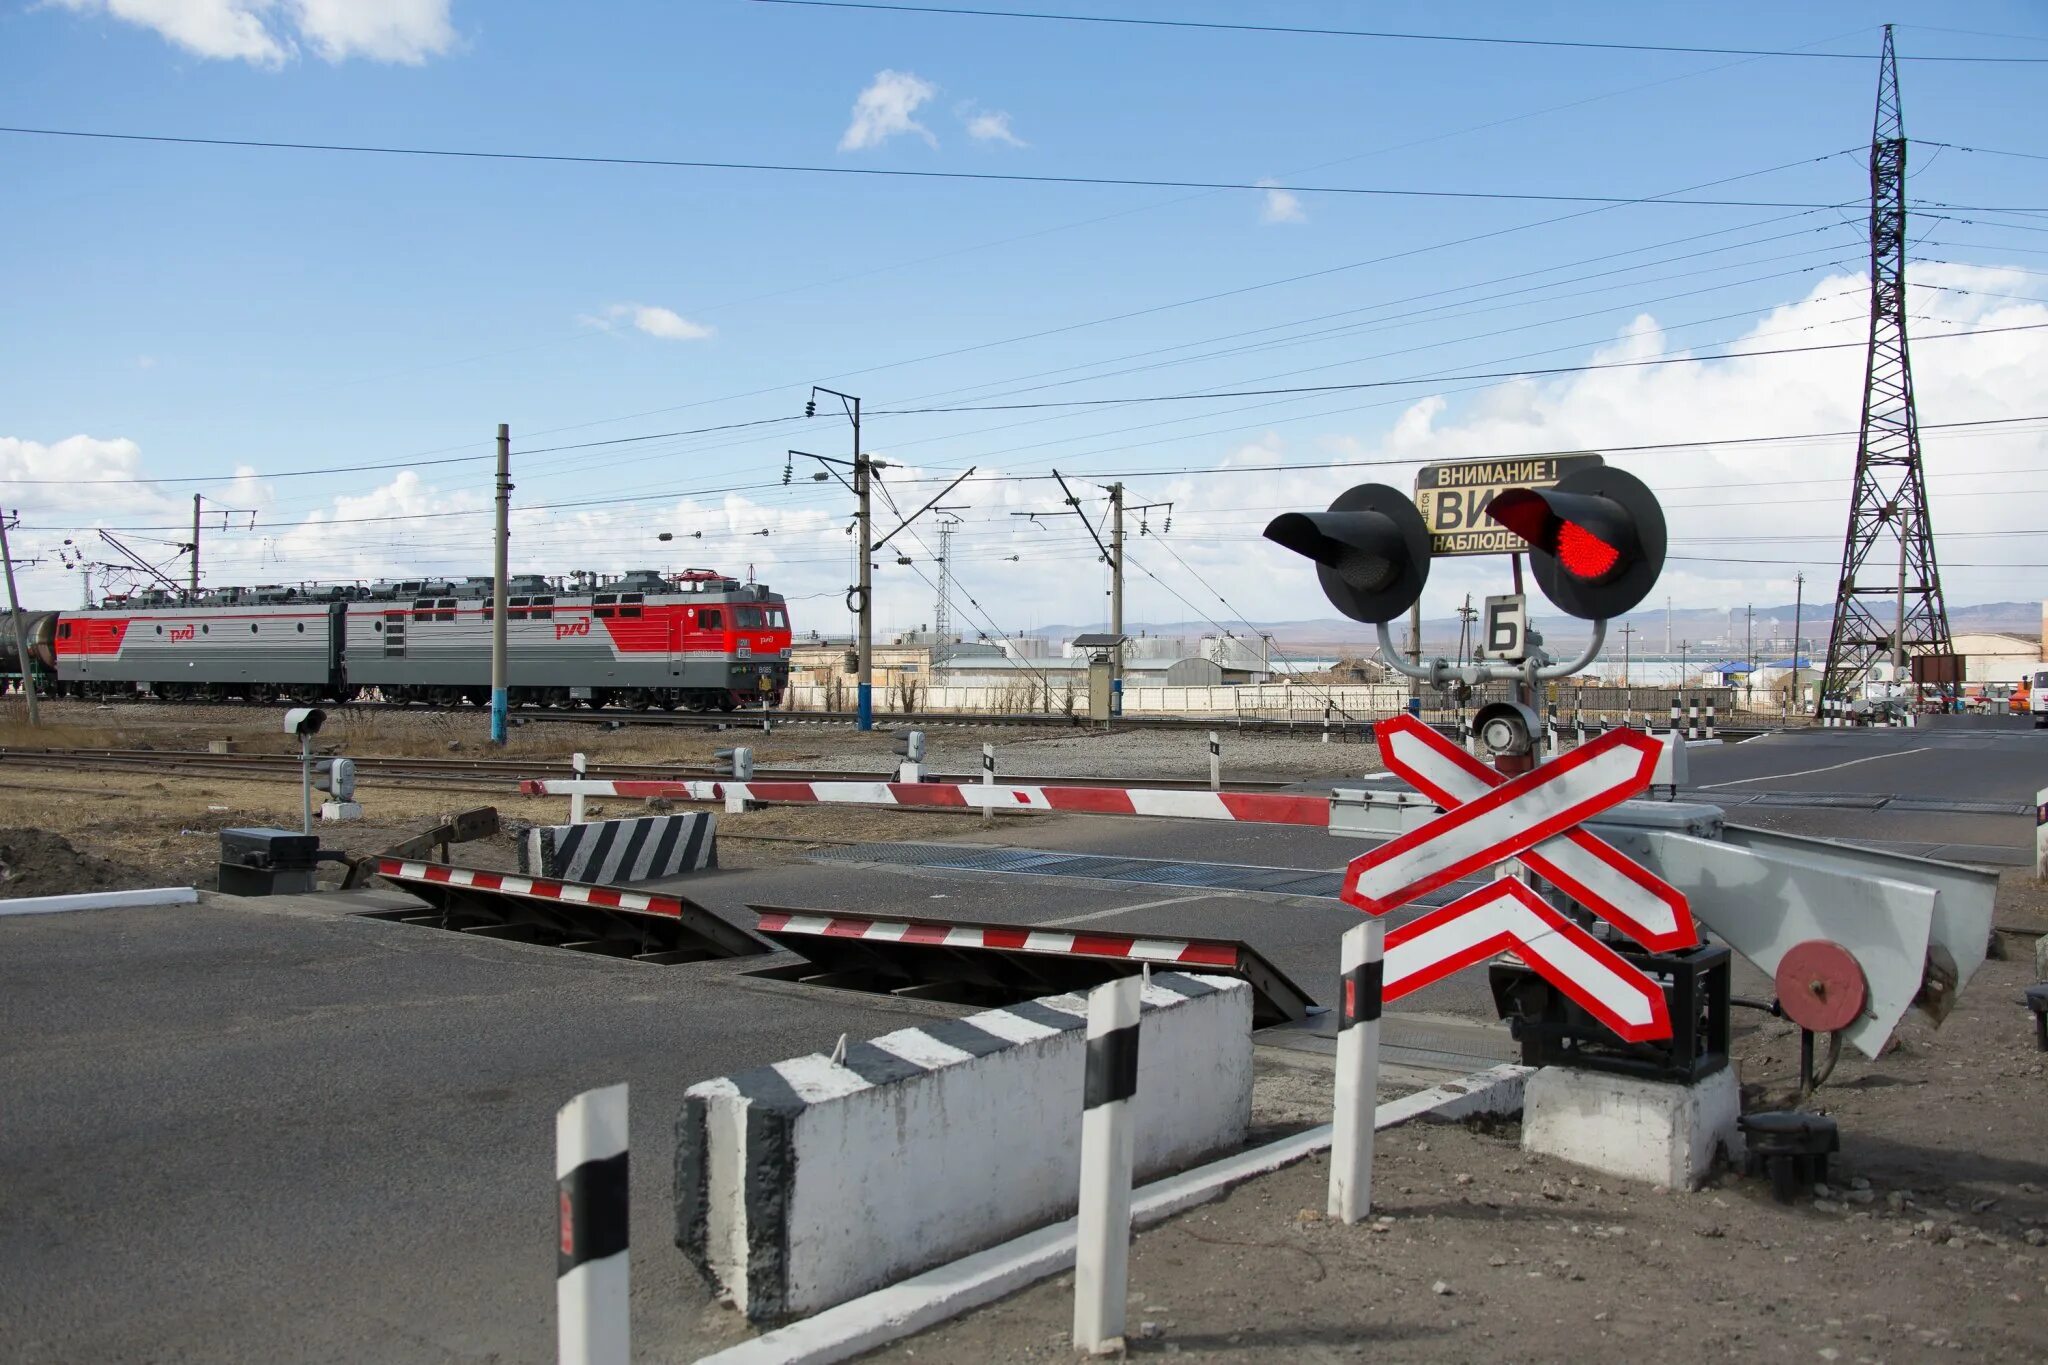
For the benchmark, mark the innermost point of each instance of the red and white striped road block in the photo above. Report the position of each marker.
(1059, 942)
(1265, 808)
(572, 893)
(1568, 789)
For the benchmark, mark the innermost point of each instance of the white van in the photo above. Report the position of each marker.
(2037, 699)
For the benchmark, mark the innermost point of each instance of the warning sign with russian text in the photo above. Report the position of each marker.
(1453, 499)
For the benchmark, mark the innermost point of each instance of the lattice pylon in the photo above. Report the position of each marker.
(1888, 556)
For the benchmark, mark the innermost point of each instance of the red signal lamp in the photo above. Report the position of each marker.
(1596, 540)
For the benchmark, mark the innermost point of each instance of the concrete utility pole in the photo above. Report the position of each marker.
(1628, 631)
(28, 676)
(1749, 652)
(195, 545)
(1793, 693)
(500, 695)
(1116, 598)
(864, 705)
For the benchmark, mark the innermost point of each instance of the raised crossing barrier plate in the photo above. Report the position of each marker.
(1016, 959)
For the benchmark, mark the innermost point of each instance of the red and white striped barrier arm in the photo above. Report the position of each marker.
(575, 893)
(1166, 951)
(1265, 808)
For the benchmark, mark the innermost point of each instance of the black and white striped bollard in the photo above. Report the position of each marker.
(1692, 718)
(592, 1276)
(988, 782)
(1675, 706)
(1710, 718)
(1326, 725)
(1363, 962)
(1215, 763)
(1102, 1235)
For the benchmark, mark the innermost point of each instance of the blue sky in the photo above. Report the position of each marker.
(191, 312)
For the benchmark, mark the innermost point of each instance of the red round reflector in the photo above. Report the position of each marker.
(1583, 554)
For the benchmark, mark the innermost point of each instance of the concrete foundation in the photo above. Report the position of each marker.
(340, 810)
(1653, 1131)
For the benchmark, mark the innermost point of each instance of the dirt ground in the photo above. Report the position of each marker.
(88, 831)
(1930, 1241)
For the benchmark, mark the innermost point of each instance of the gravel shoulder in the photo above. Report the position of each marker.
(1931, 1242)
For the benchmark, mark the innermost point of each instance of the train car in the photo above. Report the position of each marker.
(259, 644)
(698, 640)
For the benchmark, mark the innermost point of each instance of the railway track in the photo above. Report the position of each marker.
(1339, 729)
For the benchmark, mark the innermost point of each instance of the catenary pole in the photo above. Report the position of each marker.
(28, 675)
(500, 699)
(1116, 598)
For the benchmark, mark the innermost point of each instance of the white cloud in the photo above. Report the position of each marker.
(990, 125)
(1280, 206)
(665, 323)
(884, 110)
(270, 32)
(406, 31)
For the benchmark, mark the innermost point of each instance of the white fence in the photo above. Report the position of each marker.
(1263, 700)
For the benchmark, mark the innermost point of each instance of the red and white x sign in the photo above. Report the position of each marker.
(1489, 819)
(1528, 818)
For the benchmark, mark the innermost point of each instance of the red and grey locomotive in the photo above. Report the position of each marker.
(698, 640)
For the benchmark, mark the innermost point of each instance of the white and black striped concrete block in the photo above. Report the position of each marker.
(803, 1184)
(618, 852)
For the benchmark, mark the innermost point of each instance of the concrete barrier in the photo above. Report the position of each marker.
(612, 852)
(803, 1184)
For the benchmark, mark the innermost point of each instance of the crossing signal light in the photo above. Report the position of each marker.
(736, 763)
(336, 777)
(911, 745)
(1371, 550)
(1596, 539)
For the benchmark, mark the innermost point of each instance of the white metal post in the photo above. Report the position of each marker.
(1103, 1228)
(1215, 762)
(592, 1269)
(1358, 1069)
(1326, 725)
(988, 782)
(305, 782)
(579, 768)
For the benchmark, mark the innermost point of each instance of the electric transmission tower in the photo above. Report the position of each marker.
(1888, 507)
(942, 611)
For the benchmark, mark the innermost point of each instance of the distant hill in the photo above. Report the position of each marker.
(1697, 627)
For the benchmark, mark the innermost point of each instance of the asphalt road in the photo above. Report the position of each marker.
(251, 1131)
(247, 1134)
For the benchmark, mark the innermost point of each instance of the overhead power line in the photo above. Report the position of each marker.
(900, 173)
(1437, 378)
(1384, 35)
